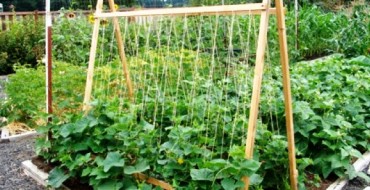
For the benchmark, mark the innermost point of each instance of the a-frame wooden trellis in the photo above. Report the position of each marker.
(262, 9)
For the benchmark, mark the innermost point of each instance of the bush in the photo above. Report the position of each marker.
(26, 92)
(22, 45)
(72, 38)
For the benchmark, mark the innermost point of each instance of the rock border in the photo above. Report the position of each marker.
(359, 165)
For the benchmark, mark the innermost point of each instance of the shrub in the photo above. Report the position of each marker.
(26, 92)
(22, 45)
(71, 38)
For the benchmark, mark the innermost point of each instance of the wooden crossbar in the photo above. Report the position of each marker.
(153, 181)
(245, 9)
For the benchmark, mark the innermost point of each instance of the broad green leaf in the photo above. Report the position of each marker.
(255, 179)
(57, 177)
(231, 184)
(66, 130)
(86, 172)
(81, 125)
(204, 174)
(141, 166)
(146, 126)
(99, 173)
(364, 176)
(113, 159)
(326, 170)
(110, 185)
(351, 172)
(249, 167)
(93, 122)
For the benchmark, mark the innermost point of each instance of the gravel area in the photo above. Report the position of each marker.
(12, 154)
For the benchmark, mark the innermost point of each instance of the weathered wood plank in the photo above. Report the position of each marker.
(38, 175)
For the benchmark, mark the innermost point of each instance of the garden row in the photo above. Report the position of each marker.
(320, 33)
(188, 128)
(331, 100)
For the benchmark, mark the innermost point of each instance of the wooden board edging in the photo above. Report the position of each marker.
(41, 177)
(359, 165)
(5, 137)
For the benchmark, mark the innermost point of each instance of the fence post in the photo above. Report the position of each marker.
(3, 22)
(36, 16)
(10, 17)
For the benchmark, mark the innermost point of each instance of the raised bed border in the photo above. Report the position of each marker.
(38, 175)
(6, 138)
(41, 177)
(359, 165)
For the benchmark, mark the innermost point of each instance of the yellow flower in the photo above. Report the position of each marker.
(180, 161)
(116, 7)
(91, 18)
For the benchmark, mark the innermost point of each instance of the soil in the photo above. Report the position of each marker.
(73, 184)
(12, 154)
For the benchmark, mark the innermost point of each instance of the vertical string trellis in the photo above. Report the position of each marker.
(208, 81)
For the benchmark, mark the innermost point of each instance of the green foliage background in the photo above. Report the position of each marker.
(331, 103)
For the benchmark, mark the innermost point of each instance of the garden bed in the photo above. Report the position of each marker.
(38, 169)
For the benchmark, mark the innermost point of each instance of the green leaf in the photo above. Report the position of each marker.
(99, 173)
(113, 159)
(231, 184)
(86, 172)
(255, 179)
(57, 177)
(81, 125)
(141, 166)
(204, 174)
(248, 167)
(110, 185)
(66, 130)
(326, 170)
(146, 126)
(364, 176)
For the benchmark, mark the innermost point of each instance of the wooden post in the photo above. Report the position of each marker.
(3, 22)
(287, 93)
(48, 64)
(94, 43)
(11, 19)
(257, 82)
(121, 50)
(36, 16)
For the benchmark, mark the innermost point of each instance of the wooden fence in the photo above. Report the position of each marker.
(7, 18)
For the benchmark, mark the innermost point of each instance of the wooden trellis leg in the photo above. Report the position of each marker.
(94, 44)
(287, 93)
(257, 82)
(121, 50)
